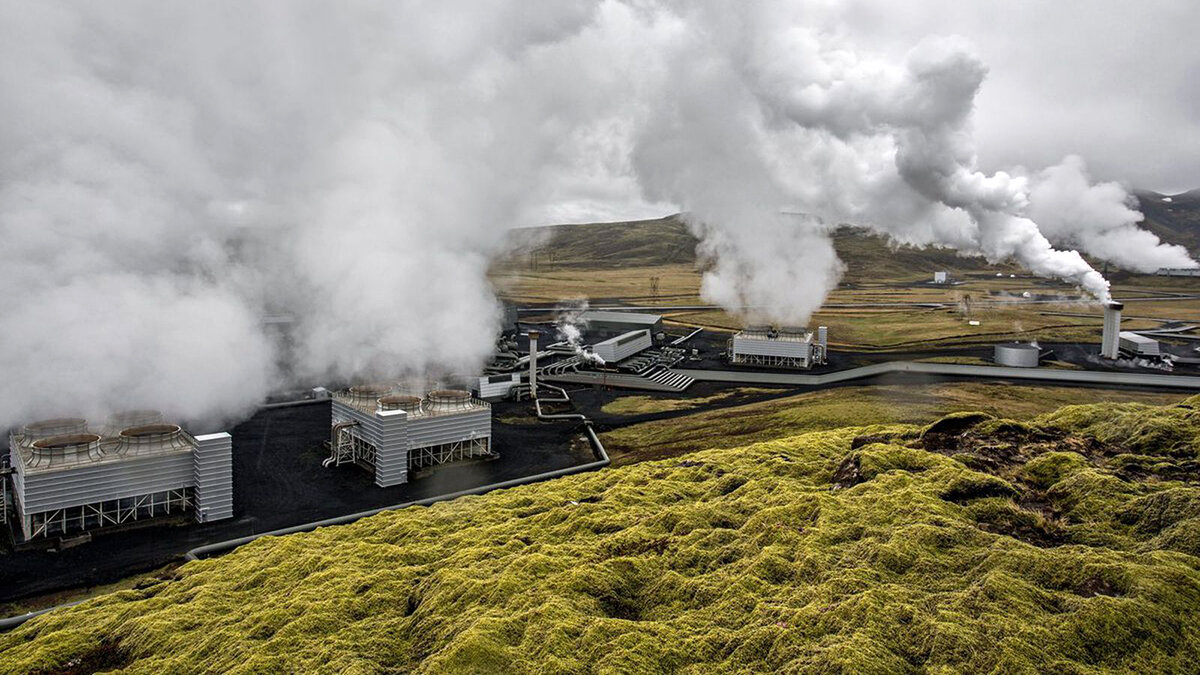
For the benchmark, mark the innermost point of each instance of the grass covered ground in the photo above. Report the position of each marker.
(1068, 543)
(654, 263)
(849, 406)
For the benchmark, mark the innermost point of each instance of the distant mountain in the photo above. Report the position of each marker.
(667, 241)
(1174, 218)
(664, 241)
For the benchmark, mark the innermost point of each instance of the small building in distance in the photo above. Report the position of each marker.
(941, 278)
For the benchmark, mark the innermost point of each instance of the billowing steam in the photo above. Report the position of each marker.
(172, 172)
(569, 324)
(803, 122)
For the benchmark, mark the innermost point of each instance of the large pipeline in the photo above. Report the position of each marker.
(228, 545)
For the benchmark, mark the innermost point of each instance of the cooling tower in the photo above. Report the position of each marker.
(1110, 341)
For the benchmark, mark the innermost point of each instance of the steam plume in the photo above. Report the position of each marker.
(171, 172)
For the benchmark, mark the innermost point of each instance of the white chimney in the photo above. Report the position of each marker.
(1110, 341)
(533, 351)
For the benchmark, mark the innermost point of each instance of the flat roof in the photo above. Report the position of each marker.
(620, 317)
(622, 338)
(1018, 345)
(1134, 337)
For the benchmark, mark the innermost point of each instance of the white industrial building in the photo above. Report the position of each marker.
(604, 321)
(623, 346)
(1134, 345)
(495, 386)
(782, 348)
(69, 478)
(390, 433)
(941, 278)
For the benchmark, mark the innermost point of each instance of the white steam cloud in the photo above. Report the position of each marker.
(172, 172)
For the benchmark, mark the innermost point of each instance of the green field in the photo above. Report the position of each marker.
(847, 406)
(1065, 544)
(654, 263)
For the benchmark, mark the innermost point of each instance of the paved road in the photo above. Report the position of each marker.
(1186, 382)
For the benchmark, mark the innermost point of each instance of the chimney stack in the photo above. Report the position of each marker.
(1110, 341)
(533, 352)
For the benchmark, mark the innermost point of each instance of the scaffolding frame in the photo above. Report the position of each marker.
(73, 519)
(351, 449)
(419, 458)
(796, 362)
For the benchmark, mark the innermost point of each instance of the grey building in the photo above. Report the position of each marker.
(783, 348)
(623, 346)
(603, 321)
(69, 478)
(391, 434)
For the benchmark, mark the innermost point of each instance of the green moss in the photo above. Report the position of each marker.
(1048, 469)
(743, 559)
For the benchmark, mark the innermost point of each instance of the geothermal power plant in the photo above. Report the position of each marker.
(67, 479)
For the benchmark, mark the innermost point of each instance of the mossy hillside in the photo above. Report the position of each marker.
(972, 544)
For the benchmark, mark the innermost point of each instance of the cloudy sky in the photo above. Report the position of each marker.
(1116, 82)
(171, 171)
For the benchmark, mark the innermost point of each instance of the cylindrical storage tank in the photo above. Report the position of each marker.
(56, 427)
(441, 400)
(1017, 355)
(410, 404)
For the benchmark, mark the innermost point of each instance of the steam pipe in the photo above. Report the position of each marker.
(333, 439)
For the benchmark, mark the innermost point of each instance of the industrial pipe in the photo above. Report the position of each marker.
(533, 354)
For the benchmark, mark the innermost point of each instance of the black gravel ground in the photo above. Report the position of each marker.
(278, 482)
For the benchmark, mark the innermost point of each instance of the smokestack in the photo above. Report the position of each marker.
(1111, 339)
(823, 337)
(533, 350)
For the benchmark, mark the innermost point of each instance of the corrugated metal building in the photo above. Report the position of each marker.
(391, 434)
(623, 346)
(495, 386)
(1138, 345)
(68, 478)
(602, 321)
(783, 348)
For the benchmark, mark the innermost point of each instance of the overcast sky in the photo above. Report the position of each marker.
(1114, 81)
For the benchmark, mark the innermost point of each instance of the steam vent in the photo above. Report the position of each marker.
(390, 433)
(70, 478)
